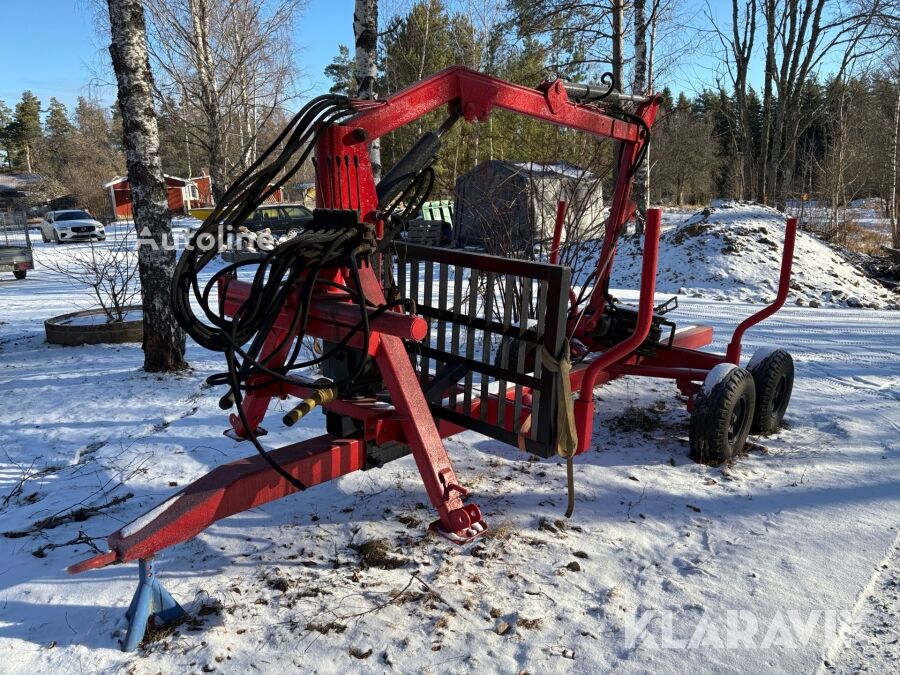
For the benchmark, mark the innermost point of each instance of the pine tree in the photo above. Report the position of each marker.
(26, 133)
(57, 132)
(340, 72)
(6, 120)
(91, 156)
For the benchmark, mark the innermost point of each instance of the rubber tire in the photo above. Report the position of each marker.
(20, 274)
(774, 379)
(56, 239)
(44, 237)
(293, 232)
(713, 435)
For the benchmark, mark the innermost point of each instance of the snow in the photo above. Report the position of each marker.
(794, 536)
(733, 253)
(760, 355)
(716, 375)
(95, 319)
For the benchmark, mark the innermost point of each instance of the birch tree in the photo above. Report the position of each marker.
(892, 208)
(739, 51)
(641, 195)
(164, 341)
(365, 31)
(226, 64)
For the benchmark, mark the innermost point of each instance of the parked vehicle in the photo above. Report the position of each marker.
(280, 219)
(15, 244)
(71, 225)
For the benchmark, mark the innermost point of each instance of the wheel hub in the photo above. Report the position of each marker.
(778, 394)
(737, 419)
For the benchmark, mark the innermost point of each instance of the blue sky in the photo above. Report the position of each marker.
(52, 48)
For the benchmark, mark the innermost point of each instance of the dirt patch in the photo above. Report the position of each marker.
(637, 419)
(693, 229)
(326, 628)
(529, 624)
(378, 553)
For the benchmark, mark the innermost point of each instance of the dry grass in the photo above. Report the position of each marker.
(377, 553)
(862, 240)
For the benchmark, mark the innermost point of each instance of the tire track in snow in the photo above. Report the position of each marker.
(873, 634)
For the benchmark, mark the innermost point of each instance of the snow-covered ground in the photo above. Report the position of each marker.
(784, 561)
(733, 252)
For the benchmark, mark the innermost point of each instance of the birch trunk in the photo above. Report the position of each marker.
(365, 30)
(742, 37)
(617, 62)
(209, 93)
(641, 195)
(164, 340)
(895, 141)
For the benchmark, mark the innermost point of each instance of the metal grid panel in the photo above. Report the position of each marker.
(490, 318)
(13, 230)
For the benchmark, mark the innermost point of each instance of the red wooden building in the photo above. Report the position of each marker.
(183, 194)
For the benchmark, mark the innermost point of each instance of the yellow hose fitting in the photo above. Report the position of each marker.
(227, 400)
(306, 406)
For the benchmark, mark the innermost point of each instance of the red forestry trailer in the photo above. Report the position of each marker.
(416, 343)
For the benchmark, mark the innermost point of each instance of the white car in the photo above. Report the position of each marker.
(71, 225)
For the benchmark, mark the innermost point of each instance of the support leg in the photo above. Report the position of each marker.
(458, 522)
(151, 602)
(256, 405)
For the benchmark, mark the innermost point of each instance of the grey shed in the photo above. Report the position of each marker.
(504, 206)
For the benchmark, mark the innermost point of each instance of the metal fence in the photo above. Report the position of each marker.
(14, 230)
(491, 318)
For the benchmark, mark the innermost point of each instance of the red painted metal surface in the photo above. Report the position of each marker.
(584, 406)
(421, 434)
(621, 210)
(685, 343)
(334, 312)
(475, 95)
(557, 232)
(733, 353)
(344, 181)
(557, 238)
(226, 490)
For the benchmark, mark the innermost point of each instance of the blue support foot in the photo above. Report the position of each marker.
(150, 602)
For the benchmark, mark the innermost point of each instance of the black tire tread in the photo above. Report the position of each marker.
(773, 363)
(711, 413)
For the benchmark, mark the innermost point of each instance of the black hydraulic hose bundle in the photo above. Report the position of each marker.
(289, 271)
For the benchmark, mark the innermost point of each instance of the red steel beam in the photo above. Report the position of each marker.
(475, 94)
(226, 490)
(338, 312)
(433, 462)
(584, 406)
(733, 353)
